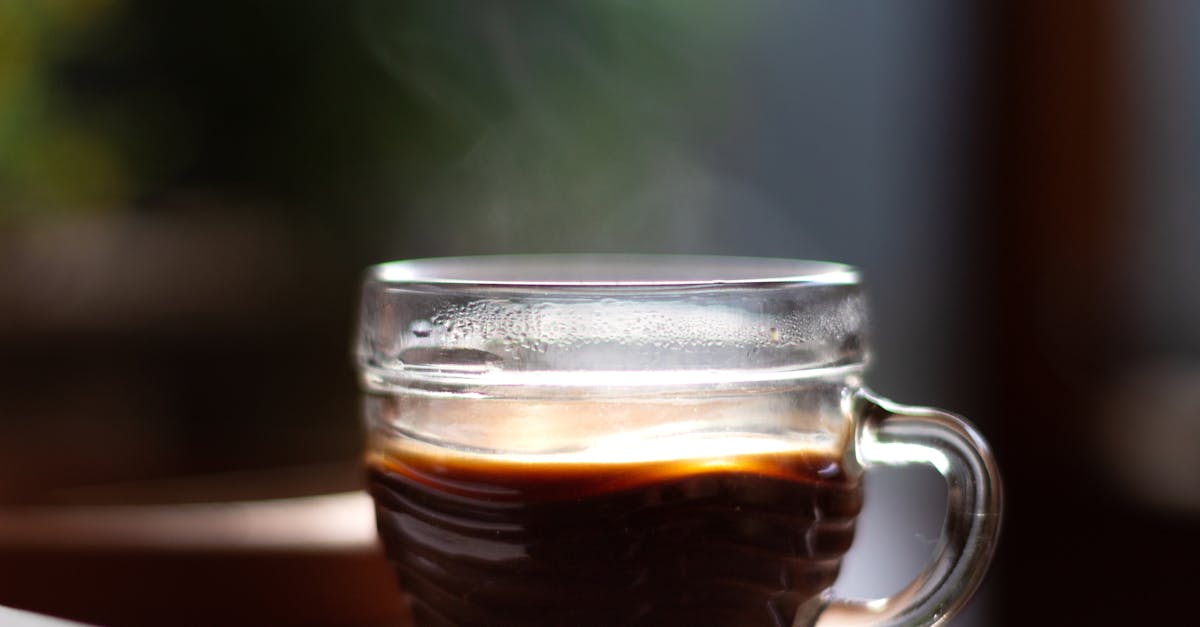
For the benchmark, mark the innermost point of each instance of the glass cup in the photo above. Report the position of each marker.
(643, 440)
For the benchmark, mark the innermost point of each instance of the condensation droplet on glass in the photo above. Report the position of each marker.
(421, 328)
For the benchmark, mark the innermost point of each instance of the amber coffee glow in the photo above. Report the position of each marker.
(637, 441)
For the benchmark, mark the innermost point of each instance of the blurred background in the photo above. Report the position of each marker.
(190, 190)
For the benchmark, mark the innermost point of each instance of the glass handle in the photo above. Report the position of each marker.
(894, 435)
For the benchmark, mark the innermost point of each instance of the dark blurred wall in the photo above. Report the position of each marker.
(179, 198)
(1100, 422)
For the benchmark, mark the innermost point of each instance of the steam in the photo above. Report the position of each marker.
(568, 126)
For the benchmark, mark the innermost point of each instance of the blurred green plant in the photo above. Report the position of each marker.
(51, 159)
(514, 125)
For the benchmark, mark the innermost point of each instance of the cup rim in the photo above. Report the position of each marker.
(611, 271)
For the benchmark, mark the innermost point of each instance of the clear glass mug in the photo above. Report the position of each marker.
(643, 440)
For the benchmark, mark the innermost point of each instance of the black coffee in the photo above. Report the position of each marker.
(731, 542)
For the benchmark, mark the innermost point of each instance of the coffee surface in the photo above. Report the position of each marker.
(692, 536)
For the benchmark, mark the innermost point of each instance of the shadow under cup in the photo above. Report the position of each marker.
(615, 440)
